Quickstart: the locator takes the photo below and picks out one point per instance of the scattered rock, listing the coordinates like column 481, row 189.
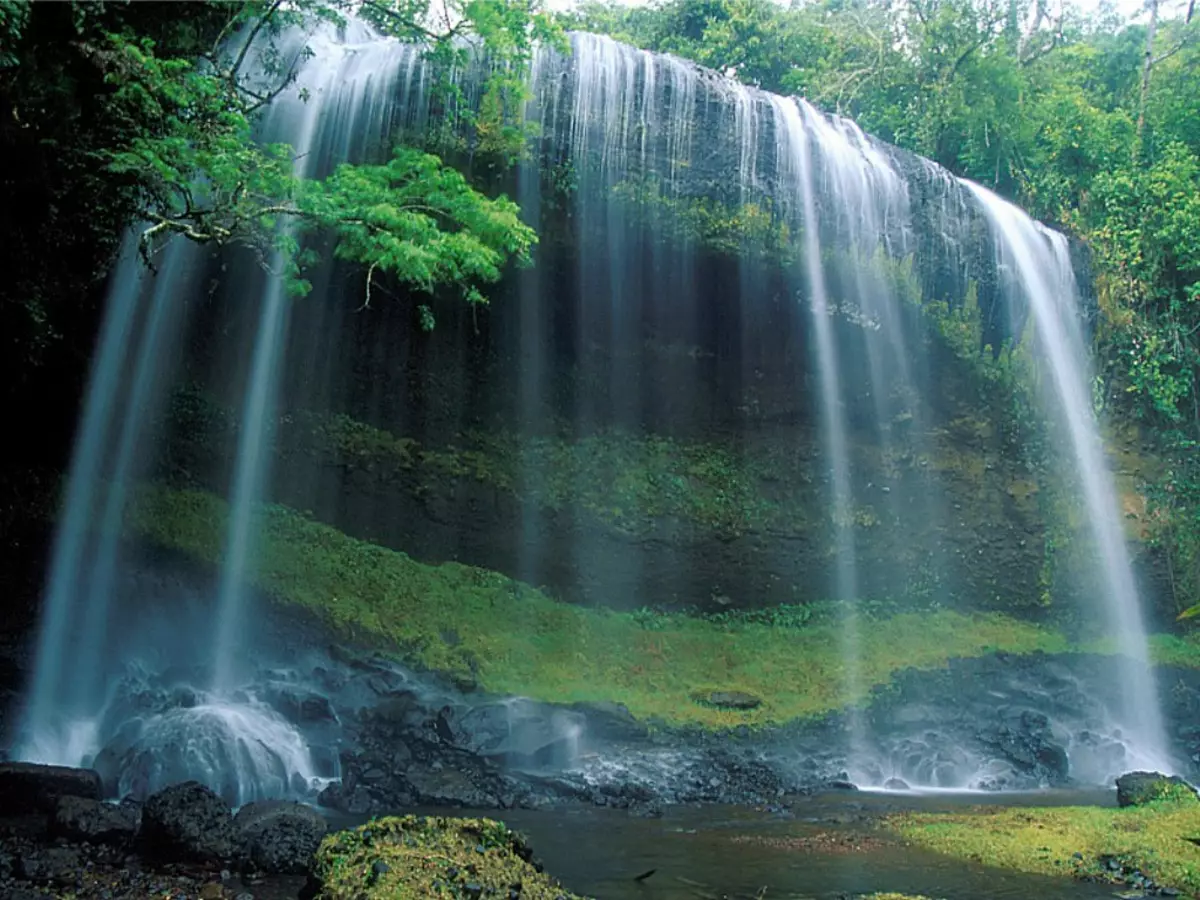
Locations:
column 279, row 837
column 187, row 822
column 53, row 865
column 81, row 819
column 739, row 700
column 30, row 787
column 1140, row 788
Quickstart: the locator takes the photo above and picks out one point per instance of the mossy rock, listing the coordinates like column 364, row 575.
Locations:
column 1141, row 788
column 418, row 856
column 738, row 700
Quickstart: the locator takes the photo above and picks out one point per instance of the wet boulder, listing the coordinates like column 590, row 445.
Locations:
column 188, row 823
column 1140, row 788
column 31, row 787
column 279, row 837
column 83, row 819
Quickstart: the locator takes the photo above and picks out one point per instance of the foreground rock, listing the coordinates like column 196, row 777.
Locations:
column 415, row 856
column 29, row 787
column 278, row 837
column 1140, row 788
column 187, row 823
column 81, row 819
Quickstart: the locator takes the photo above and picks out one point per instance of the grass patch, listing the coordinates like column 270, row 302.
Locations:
column 416, row 857
column 508, row 637
column 1149, row 839
column 1176, row 650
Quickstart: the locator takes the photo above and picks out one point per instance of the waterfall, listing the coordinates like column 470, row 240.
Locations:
column 74, row 714
column 1039, row 261
column 624, row 325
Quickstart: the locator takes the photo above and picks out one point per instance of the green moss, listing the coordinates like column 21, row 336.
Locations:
column 510, row 638
column 416, row 857
column 1151, row 839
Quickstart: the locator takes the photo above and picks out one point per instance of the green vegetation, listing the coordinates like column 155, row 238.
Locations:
column 117, row 113
column 415, row 857
column 504, row 636
column 1079, row 841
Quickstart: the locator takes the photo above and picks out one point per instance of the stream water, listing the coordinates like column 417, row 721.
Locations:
column 826, row 847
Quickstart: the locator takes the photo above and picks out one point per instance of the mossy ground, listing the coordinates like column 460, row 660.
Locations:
column 1152, row 839
column 510, row 638
column 416, row 857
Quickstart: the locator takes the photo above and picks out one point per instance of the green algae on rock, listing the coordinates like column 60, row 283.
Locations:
column 1143, row 788
column 411, row 857
column 1104, row 844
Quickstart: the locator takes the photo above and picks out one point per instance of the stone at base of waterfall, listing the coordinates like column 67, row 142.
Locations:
column 32, row 787
column 280, row 837
column 1140, row 788
column 735, row 700
column 81, row 819
column 187, row 823
column 416, row 856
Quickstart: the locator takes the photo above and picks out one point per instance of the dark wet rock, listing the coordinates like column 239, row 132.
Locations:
column 896, row 784
column 446, row 786
column 279, row 837
column 519, row 733
column 29, row 787
column 1140, row 788
column 300, row 706
column 611, row 722
column 51, row 865
column 727, row 699
column 81, row 819
column 187, row 822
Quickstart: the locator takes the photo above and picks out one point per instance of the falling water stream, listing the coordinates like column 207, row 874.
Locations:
column 642, row 139
column 1039, row 259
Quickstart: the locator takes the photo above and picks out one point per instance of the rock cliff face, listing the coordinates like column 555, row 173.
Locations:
column 637, row 419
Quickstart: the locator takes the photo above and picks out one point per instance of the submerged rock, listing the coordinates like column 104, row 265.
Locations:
column 1140, row 788
column 82, row 819
column 415, row 856
column 279, row 837
column 31, row 787
column 727, row 699
column 187, row 822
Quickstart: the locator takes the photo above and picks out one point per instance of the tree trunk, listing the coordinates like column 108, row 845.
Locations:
column 1147, row 65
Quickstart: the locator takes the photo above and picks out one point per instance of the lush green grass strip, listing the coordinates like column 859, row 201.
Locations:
column 511, row 638
column 1151, row 839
